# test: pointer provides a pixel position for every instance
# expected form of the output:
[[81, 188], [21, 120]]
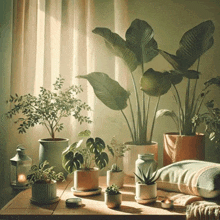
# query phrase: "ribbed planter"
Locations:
[[146, 192], [85, 180], [181, 147], [51, 150], [113, 201], [131, 156], [116, 178], [44, 193]]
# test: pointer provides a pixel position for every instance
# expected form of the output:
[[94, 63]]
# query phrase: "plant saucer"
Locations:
[[145, 201], [45, 202], [86, 192]]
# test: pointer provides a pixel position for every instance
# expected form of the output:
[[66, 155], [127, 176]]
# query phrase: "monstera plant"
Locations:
[[138, 48]]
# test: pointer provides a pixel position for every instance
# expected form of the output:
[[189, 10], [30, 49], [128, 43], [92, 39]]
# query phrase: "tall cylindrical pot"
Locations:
[[183, 147], [51, 150], [146, 192], [132, 155], [115, 178]]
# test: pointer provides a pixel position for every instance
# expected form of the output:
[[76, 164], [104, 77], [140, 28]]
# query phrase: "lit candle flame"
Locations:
[[22, 178], [167, 201]]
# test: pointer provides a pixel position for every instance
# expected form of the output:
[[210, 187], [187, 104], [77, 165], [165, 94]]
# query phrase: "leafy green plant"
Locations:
[[194, 43], [139, 48], [112, 190], [210, 118], [147, 178], [48, 108], [44, 174], [76, 156], [117, 150]]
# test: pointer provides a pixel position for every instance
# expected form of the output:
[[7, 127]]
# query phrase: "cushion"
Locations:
[[194, 177]]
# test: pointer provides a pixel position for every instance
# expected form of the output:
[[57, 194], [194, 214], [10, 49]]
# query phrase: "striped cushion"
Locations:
[[192, 177]]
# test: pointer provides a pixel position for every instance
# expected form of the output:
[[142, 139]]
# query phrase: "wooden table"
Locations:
[[92, 205]]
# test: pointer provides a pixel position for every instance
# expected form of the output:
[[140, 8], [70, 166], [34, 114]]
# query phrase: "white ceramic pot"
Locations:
[[116, 178], [132, 155], [86, 179], [113, 201], [146, 192], [51, 150], [44, 193]]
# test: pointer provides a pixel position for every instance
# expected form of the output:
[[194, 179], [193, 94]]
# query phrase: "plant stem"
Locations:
[[133, 120]]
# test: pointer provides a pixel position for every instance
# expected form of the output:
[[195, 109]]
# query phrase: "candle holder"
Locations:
[[167, 203], [20, 166]]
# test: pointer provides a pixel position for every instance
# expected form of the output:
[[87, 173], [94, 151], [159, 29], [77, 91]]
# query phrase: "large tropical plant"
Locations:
[[193, 45], [138, 48]]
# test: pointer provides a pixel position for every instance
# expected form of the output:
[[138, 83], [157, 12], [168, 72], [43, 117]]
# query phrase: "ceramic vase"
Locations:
[[132, 155], [146, 192], [183, 147], [116, 178], [113, 201]]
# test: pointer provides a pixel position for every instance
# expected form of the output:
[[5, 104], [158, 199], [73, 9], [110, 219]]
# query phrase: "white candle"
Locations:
[[22, 178], [167, 203]]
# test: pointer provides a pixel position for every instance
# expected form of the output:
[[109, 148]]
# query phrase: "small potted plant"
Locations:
[[47, 109], [146, 187], [113, 197], [116, 175], [85, 161], [43, 180]]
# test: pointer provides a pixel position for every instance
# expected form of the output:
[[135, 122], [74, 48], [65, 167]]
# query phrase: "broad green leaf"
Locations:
[[140, 39], [108, 90], [191, 74], [165, 112], [101, 160], [193, 44], [85, 133], [155, 83], [175, 76], [111, 150], [117, 45], [213, 81]]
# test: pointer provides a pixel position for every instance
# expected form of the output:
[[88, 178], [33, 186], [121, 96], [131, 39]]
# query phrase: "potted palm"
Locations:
[[85, 162], [47, 109], [116, 175], [43, 181], [146, 187], [187, 143], [139, 48], [113, 197]]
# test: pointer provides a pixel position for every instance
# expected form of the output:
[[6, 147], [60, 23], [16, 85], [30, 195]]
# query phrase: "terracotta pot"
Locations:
[[146, 192], [86, 179], [51, 150], [132, 155], [113, 201], [44, 193], [115, 178], [180, 147]]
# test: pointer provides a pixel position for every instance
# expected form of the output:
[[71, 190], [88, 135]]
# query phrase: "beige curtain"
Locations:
[[52, 37]]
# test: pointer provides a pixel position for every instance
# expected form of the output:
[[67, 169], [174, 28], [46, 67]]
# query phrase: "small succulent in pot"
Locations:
[[113, 197], [44, 174]]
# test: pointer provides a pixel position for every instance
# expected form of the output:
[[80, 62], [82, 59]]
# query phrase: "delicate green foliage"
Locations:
[[193, 45], [85, 133], [112, 190], [48, 108], [44, 174], [117, 150], [76, 156], [147, 178], [212, 122]]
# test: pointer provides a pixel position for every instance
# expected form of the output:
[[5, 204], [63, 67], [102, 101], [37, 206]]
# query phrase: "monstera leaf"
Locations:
[[108, 90], [101, 160], [155, 83], [96, 146], [193, 44], [140, 39], [118, 47]]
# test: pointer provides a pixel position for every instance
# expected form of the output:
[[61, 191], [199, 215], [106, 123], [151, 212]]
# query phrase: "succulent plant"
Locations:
[[112, 190]]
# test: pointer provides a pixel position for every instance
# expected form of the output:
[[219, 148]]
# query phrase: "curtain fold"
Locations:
[[52, 38]]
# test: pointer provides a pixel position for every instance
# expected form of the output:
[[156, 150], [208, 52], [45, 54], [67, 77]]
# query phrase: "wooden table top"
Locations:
[[91, 205]]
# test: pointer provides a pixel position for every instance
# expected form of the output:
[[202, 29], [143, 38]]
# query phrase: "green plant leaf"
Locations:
[[101, 160], [85, 133], [108, 90], [117, 45], [111, 150], [140, 39], [155, 83], [193, 44], [166, 112]]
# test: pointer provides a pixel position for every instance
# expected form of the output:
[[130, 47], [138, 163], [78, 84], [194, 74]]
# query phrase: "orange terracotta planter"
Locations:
[[181, 147]]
